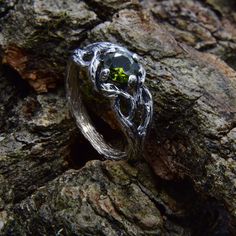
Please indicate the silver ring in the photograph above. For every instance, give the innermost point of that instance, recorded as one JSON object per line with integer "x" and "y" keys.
{"x": 114, "y": 73}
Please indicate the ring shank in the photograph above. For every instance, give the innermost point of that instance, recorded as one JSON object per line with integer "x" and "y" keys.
{"x": 82, "y": 118}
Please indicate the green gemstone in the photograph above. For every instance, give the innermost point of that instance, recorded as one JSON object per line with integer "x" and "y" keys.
{"x": 121, "y": 66}
{"x": 118, "y": 75}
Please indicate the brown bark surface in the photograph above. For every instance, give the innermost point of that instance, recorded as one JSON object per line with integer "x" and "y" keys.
{"x": 52, "y": 182}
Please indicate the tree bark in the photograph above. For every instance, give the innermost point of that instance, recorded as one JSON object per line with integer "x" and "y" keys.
{"x": 51, "y": 180}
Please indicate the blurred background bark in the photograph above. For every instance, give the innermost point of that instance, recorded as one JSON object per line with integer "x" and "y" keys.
{"x": 52, "y": 182}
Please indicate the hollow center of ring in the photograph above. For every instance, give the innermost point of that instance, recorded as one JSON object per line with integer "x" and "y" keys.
{"x": 121, "y": 66}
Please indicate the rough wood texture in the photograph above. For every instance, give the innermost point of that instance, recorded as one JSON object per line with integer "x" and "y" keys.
{"x": 191, "y": 189}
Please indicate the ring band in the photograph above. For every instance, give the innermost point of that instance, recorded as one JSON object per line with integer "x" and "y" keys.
{"x": 114, "y": 73}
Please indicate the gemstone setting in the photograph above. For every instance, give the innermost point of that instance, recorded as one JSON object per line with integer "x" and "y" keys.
{"x": 121, "y": 66}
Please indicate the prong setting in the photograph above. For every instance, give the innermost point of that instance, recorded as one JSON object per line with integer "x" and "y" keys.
{"x": 135, "y": 57}
{"x": 132, "y": 80}
{"x": 104, "y": 75}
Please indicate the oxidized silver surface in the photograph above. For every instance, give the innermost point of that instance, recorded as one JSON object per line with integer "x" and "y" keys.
{"x": 136, "y": 94}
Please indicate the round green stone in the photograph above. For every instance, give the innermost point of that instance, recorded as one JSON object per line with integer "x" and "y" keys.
{"x": 121, "y": 66}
